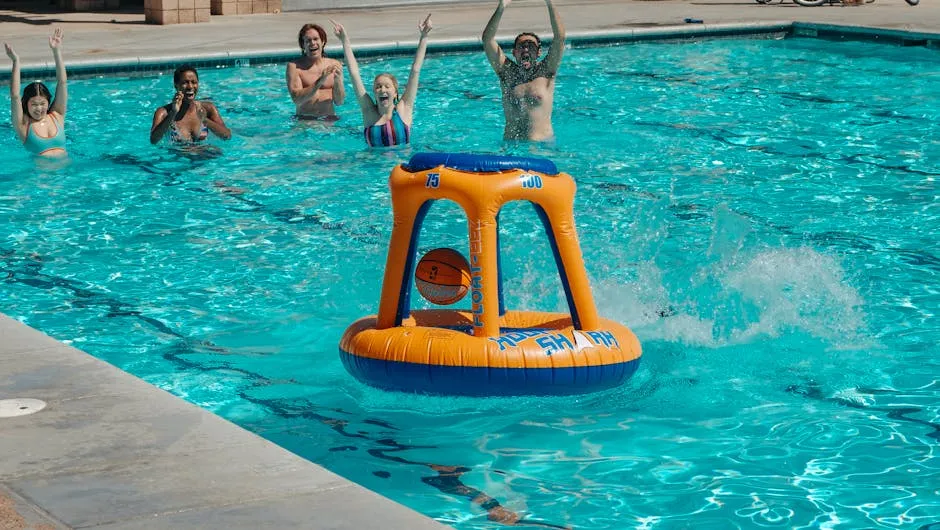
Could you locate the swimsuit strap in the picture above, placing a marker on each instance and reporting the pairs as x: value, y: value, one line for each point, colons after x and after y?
x: 173, y: 134
x: 392, y: 132
x: 38, y: 144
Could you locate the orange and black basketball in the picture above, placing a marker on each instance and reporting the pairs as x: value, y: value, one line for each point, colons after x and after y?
x: 443, y: 276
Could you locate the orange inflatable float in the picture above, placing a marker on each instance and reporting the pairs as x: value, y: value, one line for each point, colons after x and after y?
x: 485, y: 350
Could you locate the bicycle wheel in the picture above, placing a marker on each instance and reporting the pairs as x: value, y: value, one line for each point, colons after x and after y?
x: 913, y: 2
x: 810, y: 3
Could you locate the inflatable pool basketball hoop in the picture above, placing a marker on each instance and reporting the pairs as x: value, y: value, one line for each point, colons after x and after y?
x: 487, y: 350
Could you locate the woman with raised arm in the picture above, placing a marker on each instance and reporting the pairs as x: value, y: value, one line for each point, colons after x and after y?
x: 185, y: 119
x: 38, y: 117
x: 387, y: 118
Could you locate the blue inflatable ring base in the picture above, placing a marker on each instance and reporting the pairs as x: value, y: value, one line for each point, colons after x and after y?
x: 479, y: 163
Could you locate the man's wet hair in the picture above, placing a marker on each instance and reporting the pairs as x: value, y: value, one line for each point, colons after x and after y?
x: 307, y: 27
x: 538, y: 41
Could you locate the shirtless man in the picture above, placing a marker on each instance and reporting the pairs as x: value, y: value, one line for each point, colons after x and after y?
x: 315, y: 82
x: 527, y: 84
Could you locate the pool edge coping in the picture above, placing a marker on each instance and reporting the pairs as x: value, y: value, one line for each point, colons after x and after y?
x: 82, y: 392
x: 159, y: 63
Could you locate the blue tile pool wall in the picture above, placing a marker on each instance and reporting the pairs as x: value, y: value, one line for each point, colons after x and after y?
x: 887, y: 36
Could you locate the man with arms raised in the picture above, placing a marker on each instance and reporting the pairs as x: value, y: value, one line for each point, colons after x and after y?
x: 315, y: 82
x: 527, y: 84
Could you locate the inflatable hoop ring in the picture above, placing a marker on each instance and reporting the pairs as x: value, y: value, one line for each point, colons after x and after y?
x: 486, y: 350
x: 479, y: 163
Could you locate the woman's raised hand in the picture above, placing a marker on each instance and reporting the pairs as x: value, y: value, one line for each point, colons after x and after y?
x: 425, y: 27
x: 10, y: 53
x: 177, y: 102
x: 338, y: 29
x: 56, y: 39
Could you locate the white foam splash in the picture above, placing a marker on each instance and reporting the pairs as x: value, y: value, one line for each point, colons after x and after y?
x: 738, y: 301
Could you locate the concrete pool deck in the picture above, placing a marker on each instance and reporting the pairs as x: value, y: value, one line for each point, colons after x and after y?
x: 123, y: 36
x: 111, y: 451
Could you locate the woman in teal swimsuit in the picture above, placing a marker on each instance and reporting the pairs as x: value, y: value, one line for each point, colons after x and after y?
x: 38, y: 117
x: 387, y: 118
x: 186, y: 120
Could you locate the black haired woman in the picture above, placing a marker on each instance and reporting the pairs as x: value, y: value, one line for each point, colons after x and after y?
x: 186, y: 120
x: 38, y: 117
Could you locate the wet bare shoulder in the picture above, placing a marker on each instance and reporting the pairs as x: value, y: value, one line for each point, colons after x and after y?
x: 510, y: 73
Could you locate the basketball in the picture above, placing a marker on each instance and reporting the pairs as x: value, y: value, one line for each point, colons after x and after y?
x: 443, y: 276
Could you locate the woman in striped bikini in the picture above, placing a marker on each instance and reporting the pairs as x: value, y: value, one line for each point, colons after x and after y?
x: 387, y: 118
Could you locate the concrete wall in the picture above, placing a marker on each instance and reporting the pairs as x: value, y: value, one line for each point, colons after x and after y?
x: 313, y: 5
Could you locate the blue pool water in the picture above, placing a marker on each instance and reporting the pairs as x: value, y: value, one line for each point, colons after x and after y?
x: 763, y: 213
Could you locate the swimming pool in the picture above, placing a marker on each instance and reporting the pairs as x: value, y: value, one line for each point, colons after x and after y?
x: 762, y: 213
